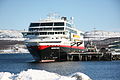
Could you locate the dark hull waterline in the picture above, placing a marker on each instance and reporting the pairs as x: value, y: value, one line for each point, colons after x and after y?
x: 57, y: 53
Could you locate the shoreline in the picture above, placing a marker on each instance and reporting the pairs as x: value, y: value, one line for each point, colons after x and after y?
x: 14, y: 53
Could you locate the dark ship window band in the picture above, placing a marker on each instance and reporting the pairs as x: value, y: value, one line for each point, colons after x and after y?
x: 51, y: 42
x: 47, y: 24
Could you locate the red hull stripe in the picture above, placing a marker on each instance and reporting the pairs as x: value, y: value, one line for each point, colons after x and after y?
x: 41, y: 47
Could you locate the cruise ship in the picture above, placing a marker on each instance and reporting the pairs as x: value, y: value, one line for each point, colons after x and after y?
x: 53, y: 38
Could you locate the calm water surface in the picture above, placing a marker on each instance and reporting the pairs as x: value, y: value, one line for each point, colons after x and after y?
x: 97, y: 70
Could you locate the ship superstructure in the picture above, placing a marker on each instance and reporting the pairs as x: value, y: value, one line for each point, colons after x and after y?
x: 53, y: 38
x: 115, y: 47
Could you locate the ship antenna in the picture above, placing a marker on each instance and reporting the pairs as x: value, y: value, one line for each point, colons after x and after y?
x: 53, y: 15
x: 72, y: 22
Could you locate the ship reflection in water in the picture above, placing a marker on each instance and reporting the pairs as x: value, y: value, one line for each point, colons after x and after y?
x: 96, y: 70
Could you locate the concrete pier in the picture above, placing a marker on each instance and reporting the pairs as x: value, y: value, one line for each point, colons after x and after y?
x: 88, y: 56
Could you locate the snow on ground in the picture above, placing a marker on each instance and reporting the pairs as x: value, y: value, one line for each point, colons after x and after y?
x: 32, y: 74
x: 11, y: 35
x: 14, y: 39
x: 100, y: 35
x: 5, y: 76
x: 20, y: 50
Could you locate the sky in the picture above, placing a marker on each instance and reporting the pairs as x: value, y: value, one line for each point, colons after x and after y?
x: 88, y: 14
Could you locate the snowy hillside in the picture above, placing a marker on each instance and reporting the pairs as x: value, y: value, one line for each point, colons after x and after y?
x: 100, y: 35
x: 91, y: 35
x: 11, y: 35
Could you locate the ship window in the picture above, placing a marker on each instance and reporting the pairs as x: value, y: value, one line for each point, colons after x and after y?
x: 82, y: 34
x: 33, y: 29
x: 50, y: 33
x: 59, y: 28
x: 59, y: 32
x: 29, y: 33
x: 69, y: 25
x: 59, y: 24
x: 43, y: 33
x: 47, y: 28
x: 39, y: 29
x: 46, y: 24
x: 56, y: 32
x: 36, y: 33
x: 63, y: 32
x: 34, y: 24
x: 30, y: 29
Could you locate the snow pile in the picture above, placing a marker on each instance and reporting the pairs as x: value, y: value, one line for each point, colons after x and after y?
x: 100, y: 35
x: 31, y: 74
x: 5, y: 76
x: 11, y: 35
x: 80, y: 76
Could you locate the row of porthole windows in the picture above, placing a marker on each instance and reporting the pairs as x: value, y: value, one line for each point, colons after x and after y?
x: 45, y: 33
x: 44, y: 29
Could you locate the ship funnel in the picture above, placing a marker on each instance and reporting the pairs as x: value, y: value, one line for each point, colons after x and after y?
x: 64, y: 18
x: 71, y: 18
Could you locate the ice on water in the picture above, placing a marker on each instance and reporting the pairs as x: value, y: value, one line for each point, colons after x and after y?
x: 32, y: 74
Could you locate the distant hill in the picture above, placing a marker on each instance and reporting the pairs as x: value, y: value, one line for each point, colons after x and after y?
x: 101, y: 38
x: 100, y: 35
x: 91, y: 35
x: 10, y: 38
x: 11, y: 35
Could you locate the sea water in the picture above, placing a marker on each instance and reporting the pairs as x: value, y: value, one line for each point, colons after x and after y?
x: 12, y: 65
